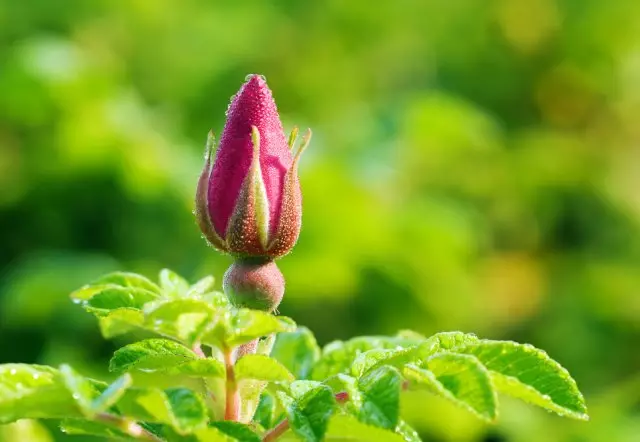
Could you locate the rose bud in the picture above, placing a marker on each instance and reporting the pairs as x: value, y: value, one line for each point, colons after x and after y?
x: 248, y: 201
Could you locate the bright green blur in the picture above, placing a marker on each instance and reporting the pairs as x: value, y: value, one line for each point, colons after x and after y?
x: 475, y: 166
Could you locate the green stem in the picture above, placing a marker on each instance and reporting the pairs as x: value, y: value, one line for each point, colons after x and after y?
x: 128, y: 426
x: 232, y: 405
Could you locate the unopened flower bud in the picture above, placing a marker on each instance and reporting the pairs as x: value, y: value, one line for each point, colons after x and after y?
x: 248, y: 201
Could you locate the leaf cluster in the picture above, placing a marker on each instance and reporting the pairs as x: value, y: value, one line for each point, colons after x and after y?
x: 172, y: 379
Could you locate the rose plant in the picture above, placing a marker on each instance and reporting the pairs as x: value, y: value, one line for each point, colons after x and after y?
x: 205, y: 365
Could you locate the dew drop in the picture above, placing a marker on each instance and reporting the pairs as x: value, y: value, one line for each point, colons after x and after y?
x: 13, y: 371
x: 76, y: 396
x: 19, y: 385
x: 36, y: 376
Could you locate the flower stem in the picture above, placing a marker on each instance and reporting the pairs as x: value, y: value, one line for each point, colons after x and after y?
x: 128, y: 426
x: 232, y: 406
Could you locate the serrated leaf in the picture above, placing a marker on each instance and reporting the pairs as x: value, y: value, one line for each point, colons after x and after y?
x: 407, y: 432
x: 86, y: 427
x: 297, y: 350
x: 115, y: 280
x: 172, y: 284
x: 338, y: 356
x: 236, y: 430
x: 112, y: 393
x: 119, y: 297
x: 150, y: 354
x: 309, y: 414
x: 201, y: 287
x: 33, y: 391
x: 525, y: 372
x: 461, y: 379
x: 188, y: 409
x: 184, y: 319
x: 373, y: 359
x: 450, y: 340
x: 80, y: 388
x: 266, y: 410
x: 348, y: 428
x: 181, y: 408
x: 261, y: 368
x: 207, y: 368
x: 245, y: 325
x: 380, y: 390
x: 120, y: 321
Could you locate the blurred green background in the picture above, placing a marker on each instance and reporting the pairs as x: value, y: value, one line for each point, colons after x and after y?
x: 475, y: 166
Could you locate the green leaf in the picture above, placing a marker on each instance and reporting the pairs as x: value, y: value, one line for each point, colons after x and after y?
x: 150, y: 354
x: 309, y: 414
x: 525, y: 372
x: 261, y: 368
x: 265, y: 413
x: 208, y: 368
x: 112, y: 394
x: 120, y: 321
x: 115, y: 280
x: 373, y: 359
x: 181, y: 408
x: 33, y: 391
x: 184, y: 319
x: 119, y: 297
x: 245, y: 325
x: 201, y: 287
x: 450, y: 340
x: 380, y: 390
x: 27, y: 430
x: 238, y: 431
x: 81, y: 389
x: 172, y: 284
x: 92, y: 428
x: 338, y: 356
x: 348, y: 428
x: 461, y: 379
x: 188, y: 409
x: 298, y: 351
x: 407, y: 433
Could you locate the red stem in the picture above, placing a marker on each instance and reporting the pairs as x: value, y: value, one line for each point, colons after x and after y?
x: 232, y: 404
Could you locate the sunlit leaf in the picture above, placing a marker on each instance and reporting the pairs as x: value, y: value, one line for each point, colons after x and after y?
x: 380, y: 390
x: 310, y: 412
x: 238, y: 431
x: 297, y: 350
x: 461, y: 379
x: 120, y: 321
x: 33, y: 391
x: 184, y: 319
x: 262, y: 368
x: 172, y: 284
x: 115, y: 280
x: 150, y: 354
x: 80, y: 388
x: 525, y: 372
x: 348, y: 428
x: 119, y: 297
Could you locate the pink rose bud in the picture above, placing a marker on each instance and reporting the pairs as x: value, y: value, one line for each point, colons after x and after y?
x: 248, y: 201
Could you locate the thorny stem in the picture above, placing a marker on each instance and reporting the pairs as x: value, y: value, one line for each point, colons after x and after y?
x: 232, y: 405
x: 128, y: 426
x: 283, y: 426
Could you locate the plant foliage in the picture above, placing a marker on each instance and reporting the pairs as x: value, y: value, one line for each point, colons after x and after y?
x: 188, y: 335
